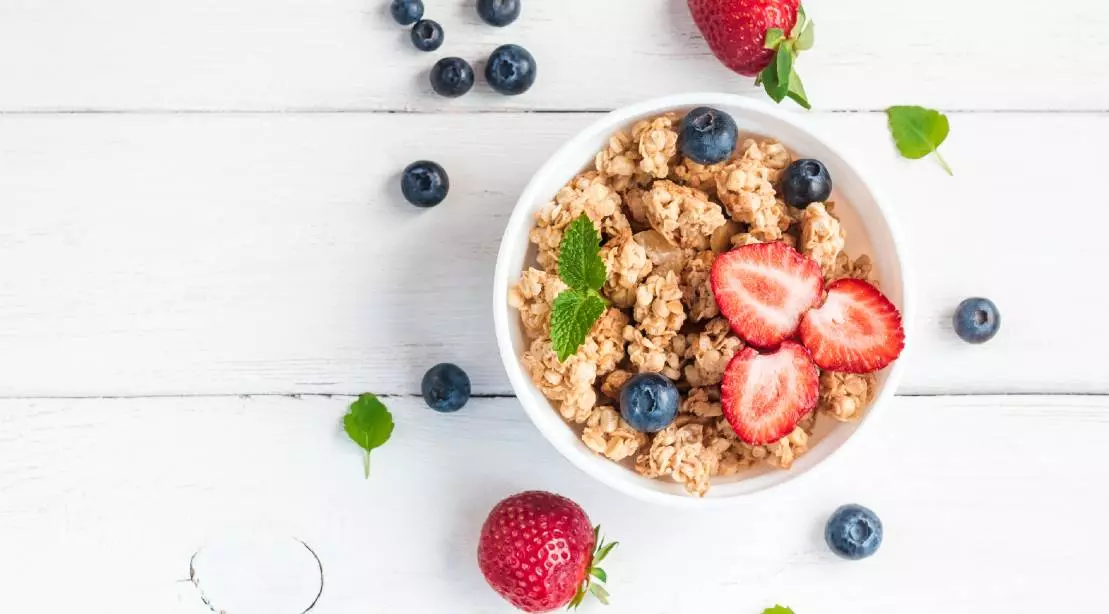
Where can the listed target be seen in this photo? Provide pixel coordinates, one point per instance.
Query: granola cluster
(663, 219)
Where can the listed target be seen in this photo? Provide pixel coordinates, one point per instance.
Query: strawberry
(856, 330)
(758, 37)
(764, 396)
(763, 289)
(537, 551)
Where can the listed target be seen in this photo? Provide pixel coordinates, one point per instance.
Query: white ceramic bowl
(870, 229)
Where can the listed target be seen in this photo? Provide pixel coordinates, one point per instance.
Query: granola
(663, 219)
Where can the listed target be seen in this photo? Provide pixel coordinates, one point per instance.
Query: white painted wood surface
(990, 504)
(198, 203)
(347, 54)
(272, 254)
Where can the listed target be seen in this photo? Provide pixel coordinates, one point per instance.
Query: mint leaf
(572, 317)
(369, 424)
(778, 609)
(918, 131)
(579, 260)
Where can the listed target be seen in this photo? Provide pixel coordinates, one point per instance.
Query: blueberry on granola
(446, 388)
(708, 136)
(427, 35)
(511, 70)
(977, 320)
(407, 12)
(649, 402)
(805, 182)
(498, 13)
(452, 77)
(853, 532)
(425, 183)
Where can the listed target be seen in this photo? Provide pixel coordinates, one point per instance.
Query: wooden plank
(348, 54)
(113, 496)
(253, 254)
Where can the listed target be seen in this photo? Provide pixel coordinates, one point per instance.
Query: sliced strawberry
(856, 330)
(763, 289)
(764, 396)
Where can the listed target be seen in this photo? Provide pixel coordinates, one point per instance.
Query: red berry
(537, 550)
(764, 396)
(736, 29)
(763, 289)
(856, 330)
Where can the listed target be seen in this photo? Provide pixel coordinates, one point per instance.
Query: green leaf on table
(572, 317)
(778, 609)
(579, 261)
(369, 424)
(918, 131)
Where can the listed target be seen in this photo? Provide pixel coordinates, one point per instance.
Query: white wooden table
(204, 254)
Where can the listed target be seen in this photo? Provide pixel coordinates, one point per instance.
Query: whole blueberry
(446, 388)
(806, 182)
(407, 12)
(853, 532)
(977, 320)
(498, 13)
(649, 402)
(425, 183)
(511, 70)
(452, 77)
(708, 135)
(427, 35)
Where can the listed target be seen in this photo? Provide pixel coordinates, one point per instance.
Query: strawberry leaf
(796, 91)
(774, 37)
(799, 25)
(599, 592)
(806, 38)
(783, 66)
(778, 609)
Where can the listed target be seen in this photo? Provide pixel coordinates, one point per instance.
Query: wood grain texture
(274, 254)
(990, 505)
(348, 54)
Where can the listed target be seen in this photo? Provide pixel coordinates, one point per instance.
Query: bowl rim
(606, 124)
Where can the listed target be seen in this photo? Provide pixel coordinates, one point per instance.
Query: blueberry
(853, 532)
(427, 35)
(708, 135)
(649, 402)
(498, 13)
(425, 184)
(511, 70)
(977, 320)
(407, 12)
(452, 77)
(806, 182)
(446, 388)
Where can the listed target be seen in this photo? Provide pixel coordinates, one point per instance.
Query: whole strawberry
(758, 37)
(538, 551)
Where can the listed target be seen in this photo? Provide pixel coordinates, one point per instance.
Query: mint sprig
(918, 131)
(779, 77)
(578, 308)
(778, 609)
(369, 424)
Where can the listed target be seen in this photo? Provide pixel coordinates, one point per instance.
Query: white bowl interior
(869, 231)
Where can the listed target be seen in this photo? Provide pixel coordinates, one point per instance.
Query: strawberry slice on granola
(763, 290)
(856, 330)
(764, 396)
